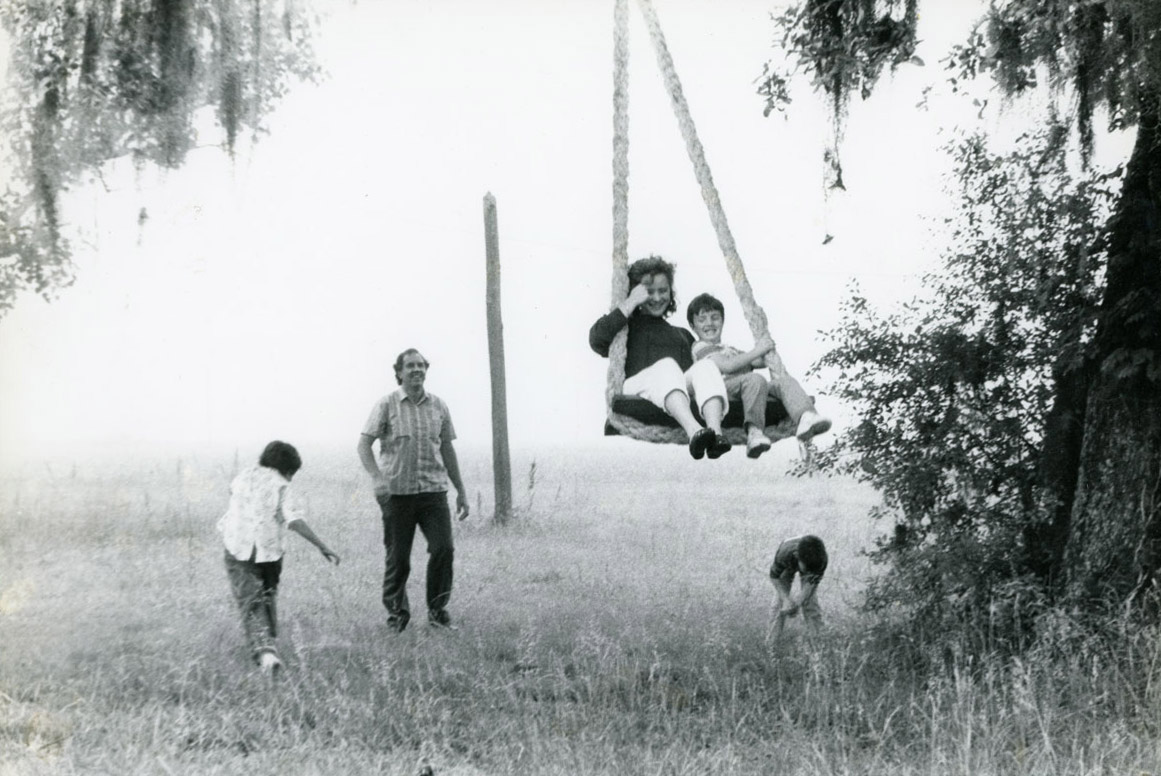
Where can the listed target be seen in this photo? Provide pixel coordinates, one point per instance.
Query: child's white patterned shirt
(262, 504)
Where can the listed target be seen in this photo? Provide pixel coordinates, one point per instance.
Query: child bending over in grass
(707, 316)
(806, 557)
(262, 505)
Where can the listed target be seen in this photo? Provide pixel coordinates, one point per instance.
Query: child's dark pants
(255, 588)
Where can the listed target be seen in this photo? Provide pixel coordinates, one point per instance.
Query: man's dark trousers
(401, 515)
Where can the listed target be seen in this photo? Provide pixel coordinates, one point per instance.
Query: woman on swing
(659, 364)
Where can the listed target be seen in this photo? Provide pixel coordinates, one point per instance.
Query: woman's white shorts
(703, 381)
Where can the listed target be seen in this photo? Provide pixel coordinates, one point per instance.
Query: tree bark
(1057, 473)
(501, 460)
(1113, 552)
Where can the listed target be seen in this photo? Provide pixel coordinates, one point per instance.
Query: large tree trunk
(1113, 553)
(1058, 471)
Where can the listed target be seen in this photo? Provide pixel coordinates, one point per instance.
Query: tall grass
(619, 625)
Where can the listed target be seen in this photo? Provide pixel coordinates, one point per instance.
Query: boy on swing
(706, 316)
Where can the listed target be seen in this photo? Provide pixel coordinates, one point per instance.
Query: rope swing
(631, 416)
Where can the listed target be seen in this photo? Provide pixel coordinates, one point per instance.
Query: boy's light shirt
(786, 558)
(704, 349)
(262, 504)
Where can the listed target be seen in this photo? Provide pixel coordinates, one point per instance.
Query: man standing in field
(416, 460)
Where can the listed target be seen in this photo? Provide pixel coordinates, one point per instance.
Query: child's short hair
(652, 265)
(703, 302)
(811, 555)
(282, 458)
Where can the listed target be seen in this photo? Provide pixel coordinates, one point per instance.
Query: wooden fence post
(501, 462)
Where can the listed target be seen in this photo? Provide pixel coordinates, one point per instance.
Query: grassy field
(620, 625)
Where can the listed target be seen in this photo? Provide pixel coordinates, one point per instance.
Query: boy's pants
(255, 588)
(752, 388)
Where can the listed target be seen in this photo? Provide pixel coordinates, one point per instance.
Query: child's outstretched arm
(786, 605)
(742, 362)
(302, 529)
(763, 346)
(806, 592)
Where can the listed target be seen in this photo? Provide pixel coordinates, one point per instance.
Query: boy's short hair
(811, 555)
(703, 302)
(652, 265)
(282, 458)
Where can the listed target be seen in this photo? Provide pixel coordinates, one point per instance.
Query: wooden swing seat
(649, 414)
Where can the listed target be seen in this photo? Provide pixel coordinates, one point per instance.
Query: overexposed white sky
(267, 298)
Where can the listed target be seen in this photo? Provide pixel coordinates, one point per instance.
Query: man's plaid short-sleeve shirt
(410, 435)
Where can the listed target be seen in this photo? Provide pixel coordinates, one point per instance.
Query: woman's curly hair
(652, 265)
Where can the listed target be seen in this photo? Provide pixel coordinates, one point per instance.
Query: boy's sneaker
(702, 440)
(720, 447)
(270, 665)
(756, 442)
(396, 623)
(810, 425)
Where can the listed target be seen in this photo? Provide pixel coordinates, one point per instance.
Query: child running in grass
(707, 316)
(806, 557)
(262, 505)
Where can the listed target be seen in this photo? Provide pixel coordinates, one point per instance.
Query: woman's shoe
(702, 440)
(720, 447)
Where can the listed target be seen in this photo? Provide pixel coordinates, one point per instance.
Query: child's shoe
(810, 425)
(270, 665)
(756, 442)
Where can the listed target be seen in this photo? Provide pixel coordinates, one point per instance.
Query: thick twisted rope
(620, 188)
(620, 289)
(754, 314)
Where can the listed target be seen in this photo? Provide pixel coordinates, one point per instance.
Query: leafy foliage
(842, 45)
(1101, 52)
(953, 389)
(1106, 51)
(94, 80)
(1095, 450)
